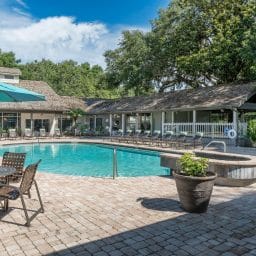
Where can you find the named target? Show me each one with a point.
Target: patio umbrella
(11, 93)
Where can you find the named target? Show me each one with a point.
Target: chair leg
(25, 210)
(39, 197)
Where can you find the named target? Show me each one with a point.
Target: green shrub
(251, 130)
(190, 165)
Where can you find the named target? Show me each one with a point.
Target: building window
(91, 123)
(116, 122)
(10, 121)
(66, 124)
(131, 122)
(8, 76)
(99, 124)
(28, 124)
(41, 123)
(145, 124)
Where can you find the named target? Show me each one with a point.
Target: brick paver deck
(129, 216)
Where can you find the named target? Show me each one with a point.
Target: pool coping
(102, 141)
(249, 161)
(164, 152)
(71, 140)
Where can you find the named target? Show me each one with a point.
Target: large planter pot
(194, 192)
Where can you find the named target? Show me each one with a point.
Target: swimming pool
(90, 159)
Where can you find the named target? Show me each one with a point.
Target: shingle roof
(53, 102)
(10, 71)
(215, 97)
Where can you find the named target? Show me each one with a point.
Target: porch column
(151, 123)
(123, 124)
(194, 123)
(17, 121)
(235, 119)
(110, 124)
(172, 117)
(137, 122)
(172, 120)
(95, 123)
(61, 124)
(54, 121)
(31, 123)
(163, 121)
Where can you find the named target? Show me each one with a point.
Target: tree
(127, 65)
(7, 59)
(192, 42)
(75, 114)
(204, 42)
(70, 78)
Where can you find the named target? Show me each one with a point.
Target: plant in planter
(194, 183)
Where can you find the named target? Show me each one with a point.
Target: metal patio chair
(170, 139)
(116, 135)
(42, 133)
(28, 133)
(155, 138)
(143, 137)
(128, 134)
(57, 133)
(16, 160)
(12, 134)
(13, 192)
(195, 141)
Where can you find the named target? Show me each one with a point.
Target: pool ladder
(115, 174)
(217, 142)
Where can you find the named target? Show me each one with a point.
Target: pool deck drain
(128, 216)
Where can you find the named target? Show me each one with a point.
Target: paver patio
(129, 216)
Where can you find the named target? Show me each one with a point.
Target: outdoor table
(6, 172)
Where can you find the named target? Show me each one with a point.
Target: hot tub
(231, 169)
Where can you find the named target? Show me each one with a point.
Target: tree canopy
(66, 78)
(192, 42)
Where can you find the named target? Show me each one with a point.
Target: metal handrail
(115, 174)
(217, 142)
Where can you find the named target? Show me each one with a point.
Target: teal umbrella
(11, 93)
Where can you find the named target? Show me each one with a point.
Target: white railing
(212, 130)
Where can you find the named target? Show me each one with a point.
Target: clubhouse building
(212, 111)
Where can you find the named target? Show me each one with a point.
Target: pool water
(90, 159)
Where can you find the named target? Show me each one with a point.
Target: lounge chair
(143, 137)
(194, 142)
(169, 139)
(12, 134)
(13, 192)
(155, 138)
(3, 135)
(28, 133)
(126, 136)
(17, 161)
(42, 133)
(116, 135)
(134, 137)
(181, 139)
(57, 133)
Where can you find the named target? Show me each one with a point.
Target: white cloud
(55, 38)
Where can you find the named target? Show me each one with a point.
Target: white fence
(212, 130)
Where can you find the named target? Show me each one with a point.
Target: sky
(81, 30)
